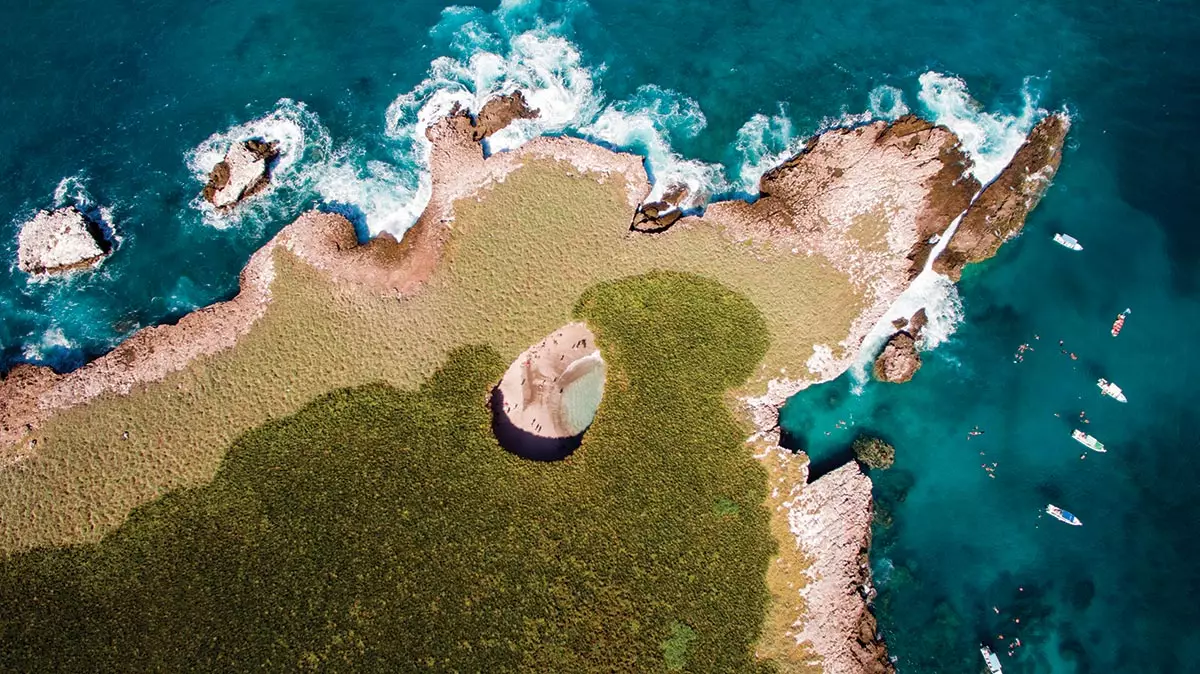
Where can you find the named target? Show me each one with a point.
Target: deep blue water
(121, 104)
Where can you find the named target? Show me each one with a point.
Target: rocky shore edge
(814, 203)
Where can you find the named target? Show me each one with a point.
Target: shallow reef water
(122, 111)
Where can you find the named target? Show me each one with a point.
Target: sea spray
(647, 123)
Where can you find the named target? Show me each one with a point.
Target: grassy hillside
(384, 530)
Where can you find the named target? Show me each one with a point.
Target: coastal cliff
(831, 522)
(1000, 211)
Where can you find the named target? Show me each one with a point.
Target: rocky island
(61, 240)
(245, 171)
(510, 248)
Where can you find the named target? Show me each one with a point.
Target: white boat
(1111, 390)
(1062, 515)
(1088, 441)
(1067, 241)
(990, 659)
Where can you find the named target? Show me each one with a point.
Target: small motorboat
(1063, 516)
(1120, 322)
(1088, 441)
(990, 659)
(1111, 390)
(1067, 241)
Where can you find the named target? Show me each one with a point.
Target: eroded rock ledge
(900, 360)
(831, 520)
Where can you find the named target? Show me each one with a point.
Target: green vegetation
(676, 649)
(873, 452)
(383, 530)
(519, 257)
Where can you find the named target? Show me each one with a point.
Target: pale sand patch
(534, 386)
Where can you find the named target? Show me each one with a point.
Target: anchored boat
(1120, 322)
(1063, 516)
(1067, 241)
(1088, 441)
(1111, 390)
(990, 659)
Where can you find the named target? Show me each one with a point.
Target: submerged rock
(999, 212)
(549, 395)
(874, 452)
(60, 240)
(244, 172)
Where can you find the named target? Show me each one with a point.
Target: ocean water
(122, 105)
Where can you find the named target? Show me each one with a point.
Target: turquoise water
(122, 104)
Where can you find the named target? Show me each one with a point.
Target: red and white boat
(1120, 322)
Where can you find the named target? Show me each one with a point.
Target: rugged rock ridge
(244, 172)
(999, 212)
(831, 520)
(60, 240)
(868, 199)
(656, 217)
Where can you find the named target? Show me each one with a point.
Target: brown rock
(245, 171)
(658, 216)
(831, 520)
(499, 112)
(918, 321)
(899, 360)
(999, 212)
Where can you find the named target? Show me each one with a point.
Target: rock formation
(831, 520)
(499, 112)
(999, 212)
(60, 240)
(899, 360)
(658, 216)
(549, 395)
(245, 171)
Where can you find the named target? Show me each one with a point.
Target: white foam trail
(887, 102)
(989, 138)
(647, 123)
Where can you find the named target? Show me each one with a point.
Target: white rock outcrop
(59, 240)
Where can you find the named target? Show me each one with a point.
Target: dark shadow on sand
(525, 444)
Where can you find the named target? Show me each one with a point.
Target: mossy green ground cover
(384, 530)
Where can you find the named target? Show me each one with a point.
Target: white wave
(989, 138)
(646, 123)
(51, 339)
(887, 102)
(389, 200)
(763, 143)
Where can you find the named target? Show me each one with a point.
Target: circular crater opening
(549, 395)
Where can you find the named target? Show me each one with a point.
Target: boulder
(245, 171)
(60, 240)
(659, 216)
(999, 212)
(899, 360)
